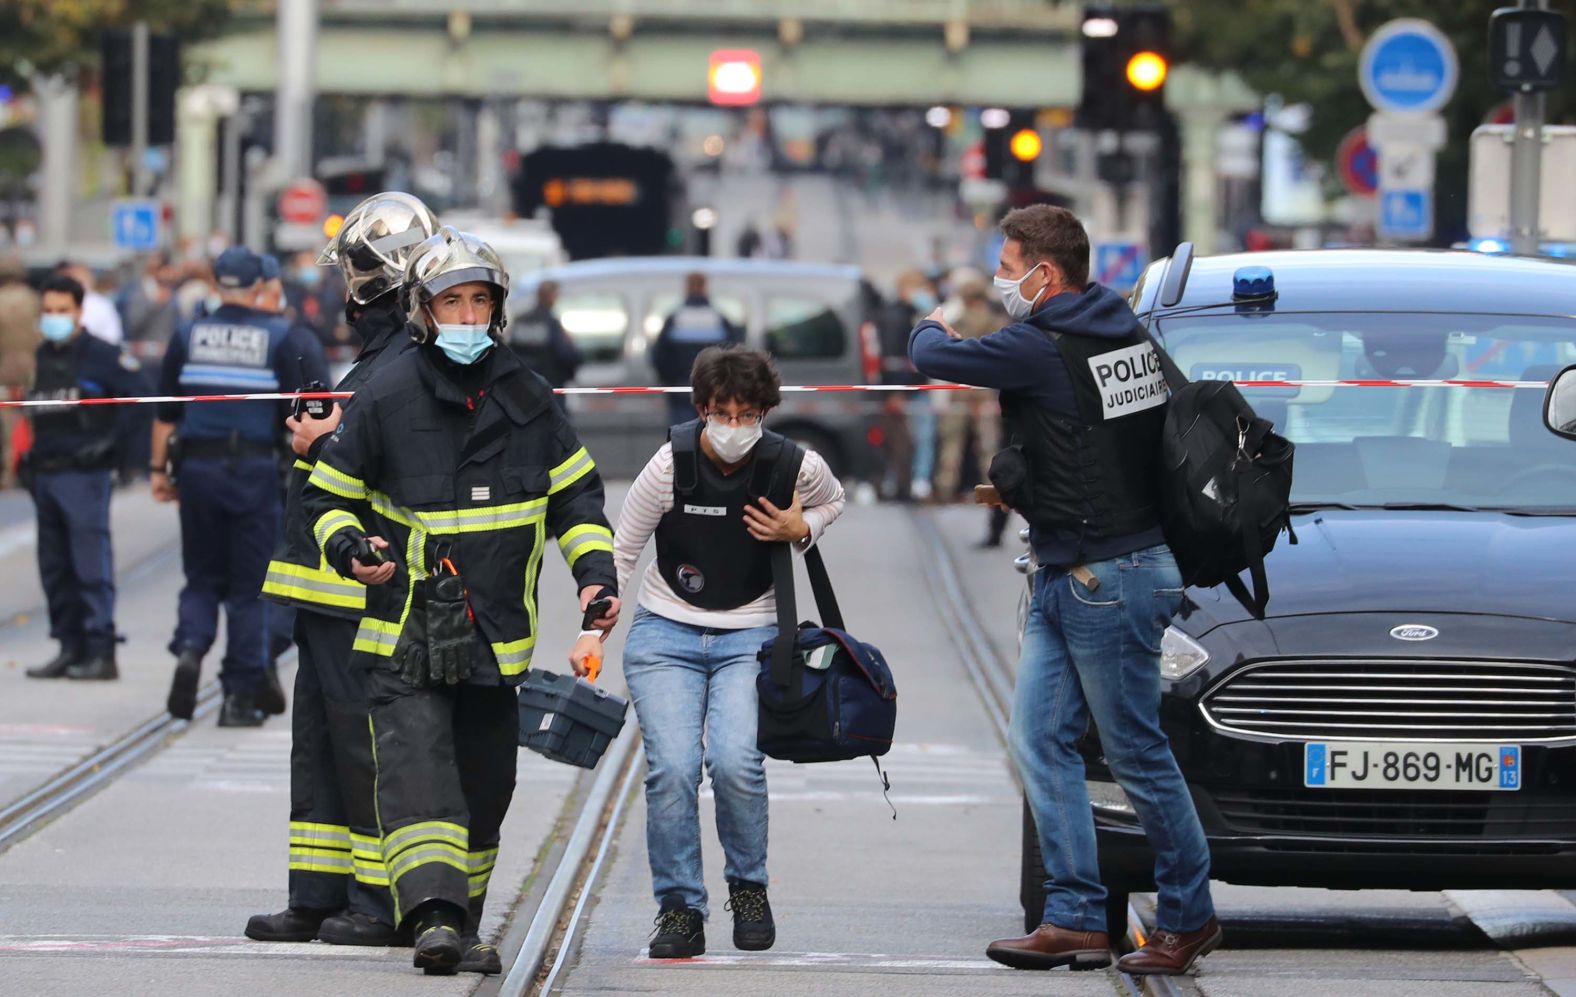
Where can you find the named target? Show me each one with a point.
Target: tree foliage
(62, 36)
(1307, 51)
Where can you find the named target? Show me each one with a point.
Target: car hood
(1383, 561)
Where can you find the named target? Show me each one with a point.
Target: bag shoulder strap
(1175, 379)
(785, 648)
(685, 438)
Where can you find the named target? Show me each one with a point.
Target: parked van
(810, 316)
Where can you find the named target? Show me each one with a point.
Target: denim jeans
(687, 680)
(1098, 654)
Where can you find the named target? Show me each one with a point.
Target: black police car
(1405, 715)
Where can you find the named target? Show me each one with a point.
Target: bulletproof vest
(1097, 474)
(231, 352)
(59, 378)
(704, 551)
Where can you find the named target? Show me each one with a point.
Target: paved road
(143, 888)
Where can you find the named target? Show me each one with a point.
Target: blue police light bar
(1252, 283)
(1489, 244)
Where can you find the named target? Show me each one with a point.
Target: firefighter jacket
(299, 575)
(473, 464)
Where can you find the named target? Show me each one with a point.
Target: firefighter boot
(438, 941)
(293, 924)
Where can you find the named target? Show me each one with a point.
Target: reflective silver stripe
(586, 542)
(315, 583)
(570, 471)
(313, 860)
(437, 830)
(320, 837)
(425, 855)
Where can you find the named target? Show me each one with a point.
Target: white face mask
(732, 443)
(1018, 307)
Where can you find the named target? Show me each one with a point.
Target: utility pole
(139, 109)
(1526, 160)
(297, 86)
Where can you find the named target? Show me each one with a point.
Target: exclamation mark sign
(1512, 49)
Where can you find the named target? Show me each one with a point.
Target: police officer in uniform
(338, 890)
(75, 451)
(694, 325)
(438, 490)
(229, 483)
(539, 339)
(1083, 401)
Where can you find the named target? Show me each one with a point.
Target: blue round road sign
(1408, 65)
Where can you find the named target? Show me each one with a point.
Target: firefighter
(437, 491)
(338, 887)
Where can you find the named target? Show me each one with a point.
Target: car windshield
(1442, 446)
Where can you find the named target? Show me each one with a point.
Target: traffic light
(733, 78)
(1127, 55)
(164, 78)
(1012, 146)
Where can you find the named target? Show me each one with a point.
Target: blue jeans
(685, 680)
(1098, 654)
(922, 426)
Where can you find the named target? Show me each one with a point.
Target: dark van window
(803, 329)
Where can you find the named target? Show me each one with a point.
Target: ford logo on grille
(1414, 631)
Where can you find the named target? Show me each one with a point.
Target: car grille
(1395, 814)
(1513, 702)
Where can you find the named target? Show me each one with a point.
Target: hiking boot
(98, 668)
(57, 666)
(681, 931)
(183, 688)
(270, 694)
(355, 928)
(479, 957)
(240, 710)
(293, 924)
(753, 928)
(438, 942)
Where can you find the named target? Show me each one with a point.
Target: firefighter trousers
(336, 858)
(444, 759)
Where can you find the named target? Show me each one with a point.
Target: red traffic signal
(734, 77)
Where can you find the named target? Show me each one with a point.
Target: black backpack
(1225, 481)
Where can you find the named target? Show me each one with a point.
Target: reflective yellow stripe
(583, 539)
(514, 657)
(322, 586)
(477, 519)
(320, 860)
(429, 853)
(438, 830)
(336, 482)
(335, 836)
(331, 522)
(301, 465)
(375, 636)
(533, 571)
(576, 467)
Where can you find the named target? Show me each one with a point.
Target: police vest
(1096, 475)
(233, 351)
(704, 550)
(81, 436)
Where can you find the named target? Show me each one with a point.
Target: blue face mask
(309, 276)
(464, 344)
(923, 301)
(57, 328)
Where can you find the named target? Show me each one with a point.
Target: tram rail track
(993, 678)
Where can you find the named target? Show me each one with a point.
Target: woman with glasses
(706, 606)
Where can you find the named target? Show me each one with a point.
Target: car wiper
(1300, 507)
(1424, 507)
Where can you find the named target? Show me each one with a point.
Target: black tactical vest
(704, 551)
(90, 429)
(1096, 475)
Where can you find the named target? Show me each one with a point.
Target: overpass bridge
(872, 53)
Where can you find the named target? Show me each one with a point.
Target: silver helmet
(375, 241)
(447, 259)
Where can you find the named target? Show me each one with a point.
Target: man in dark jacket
(539, 339)
(437, 491)
(338, 883)
(692, 327)
(1083, 401)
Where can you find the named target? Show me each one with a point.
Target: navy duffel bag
(825, 696)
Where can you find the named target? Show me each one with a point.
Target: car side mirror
(1559, 404)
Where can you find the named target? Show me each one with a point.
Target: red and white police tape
(286, 396)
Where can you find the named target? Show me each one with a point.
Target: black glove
(410, 652)
(450, 631)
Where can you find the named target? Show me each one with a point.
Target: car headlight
(1180, 655)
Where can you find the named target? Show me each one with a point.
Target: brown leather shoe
(1049, 946)
(1171, 953)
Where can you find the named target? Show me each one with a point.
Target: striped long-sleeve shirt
(651, 497)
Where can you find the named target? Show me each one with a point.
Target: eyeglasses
(739, 419)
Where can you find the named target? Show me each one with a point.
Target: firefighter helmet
(447, 259)
(375, 242)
